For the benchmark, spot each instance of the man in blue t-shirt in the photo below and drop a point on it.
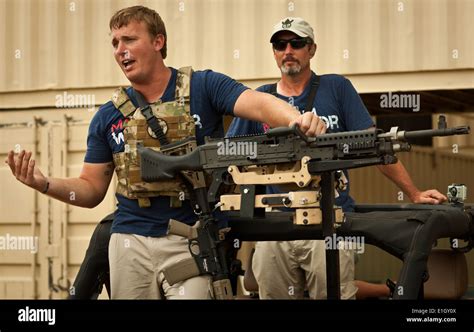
(139, 249)
(284, 269)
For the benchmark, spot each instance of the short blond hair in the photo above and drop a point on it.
(153, 21)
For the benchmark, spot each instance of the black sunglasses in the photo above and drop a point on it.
(296, 43)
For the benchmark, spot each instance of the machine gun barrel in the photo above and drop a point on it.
(460, 130)
(288, 144)
(394, 134)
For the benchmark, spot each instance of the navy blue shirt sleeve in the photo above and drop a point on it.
(98, 150)
(222, 91)
(356, 116)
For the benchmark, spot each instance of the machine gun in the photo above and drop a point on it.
(284, 146)
(280, 156)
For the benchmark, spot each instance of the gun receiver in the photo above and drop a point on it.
(328, 152)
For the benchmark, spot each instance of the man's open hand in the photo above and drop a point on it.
(25, 171)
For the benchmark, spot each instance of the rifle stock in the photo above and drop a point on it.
(157, 166)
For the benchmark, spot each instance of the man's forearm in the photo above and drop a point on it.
(399, 175)
(284, 114)
(74, 191)
(264, 108)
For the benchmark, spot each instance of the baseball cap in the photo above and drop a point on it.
(294, 24)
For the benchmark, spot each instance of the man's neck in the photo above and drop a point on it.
(294, 85)
(155, 87)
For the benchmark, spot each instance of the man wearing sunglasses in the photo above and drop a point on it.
(284, 269)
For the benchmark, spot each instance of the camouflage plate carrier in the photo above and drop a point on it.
(177, 123)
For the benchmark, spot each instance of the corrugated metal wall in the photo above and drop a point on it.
(63, 231)
(59, 44)
(19, 218)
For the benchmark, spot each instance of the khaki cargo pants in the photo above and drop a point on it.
(284, 269)
(136, 265)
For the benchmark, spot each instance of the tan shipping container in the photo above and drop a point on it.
(63, 231)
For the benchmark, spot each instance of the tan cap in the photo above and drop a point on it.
(294, 24)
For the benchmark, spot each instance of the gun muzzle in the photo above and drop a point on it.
(460, 130)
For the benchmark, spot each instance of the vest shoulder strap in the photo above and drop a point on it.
(183, 82)
(122, 102)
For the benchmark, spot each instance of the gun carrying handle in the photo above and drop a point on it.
(285, 131)
(281, 131)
